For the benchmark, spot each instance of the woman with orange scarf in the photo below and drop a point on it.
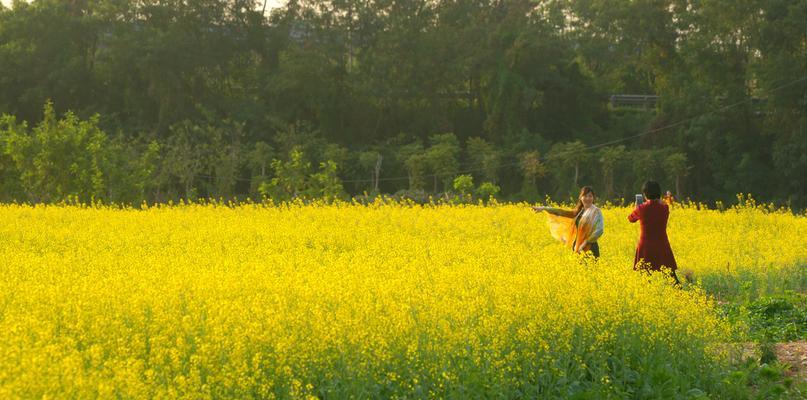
(580, 227)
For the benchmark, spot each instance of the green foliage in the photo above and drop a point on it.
(326, 184)
(416, 164)
(779, 318)
(484, 157)
(677, 166)
(442, 158)
(59, 159)
(487, 190)
(464, 185)
(611, 158)
(222, 89)
(259, 159)
(295, 179)
(371, 161)
(755, 379)
(291, 178)
(146, 168)
(568, 158)
(532, 168)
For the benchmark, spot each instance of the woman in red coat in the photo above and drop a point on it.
(654, 249)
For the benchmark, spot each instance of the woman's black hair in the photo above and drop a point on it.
(651, 190)
(583, 191)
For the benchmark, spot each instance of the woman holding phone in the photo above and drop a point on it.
(580, 227)
(653, 251)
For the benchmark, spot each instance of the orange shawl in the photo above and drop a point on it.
(564, 230)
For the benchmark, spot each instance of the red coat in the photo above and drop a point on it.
(654, 247)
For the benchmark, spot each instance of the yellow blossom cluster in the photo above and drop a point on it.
(358, 301)
(753, 245)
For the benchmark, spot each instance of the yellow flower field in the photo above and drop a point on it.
(380, 301)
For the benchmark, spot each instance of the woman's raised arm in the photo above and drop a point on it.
(556, 211)
(635, 215)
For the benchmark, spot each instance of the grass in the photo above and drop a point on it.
(763, 310)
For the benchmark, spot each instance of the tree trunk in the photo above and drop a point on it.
(609, 183)
(377, 173)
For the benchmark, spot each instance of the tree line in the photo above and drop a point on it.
(156, 100)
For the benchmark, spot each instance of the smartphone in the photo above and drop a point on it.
(639, 199)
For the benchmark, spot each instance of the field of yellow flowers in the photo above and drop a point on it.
(365, 301)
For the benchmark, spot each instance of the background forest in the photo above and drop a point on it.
(156, 100)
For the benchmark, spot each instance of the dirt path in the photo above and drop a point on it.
(795, 355)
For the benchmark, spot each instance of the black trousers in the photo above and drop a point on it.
(595, 249)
